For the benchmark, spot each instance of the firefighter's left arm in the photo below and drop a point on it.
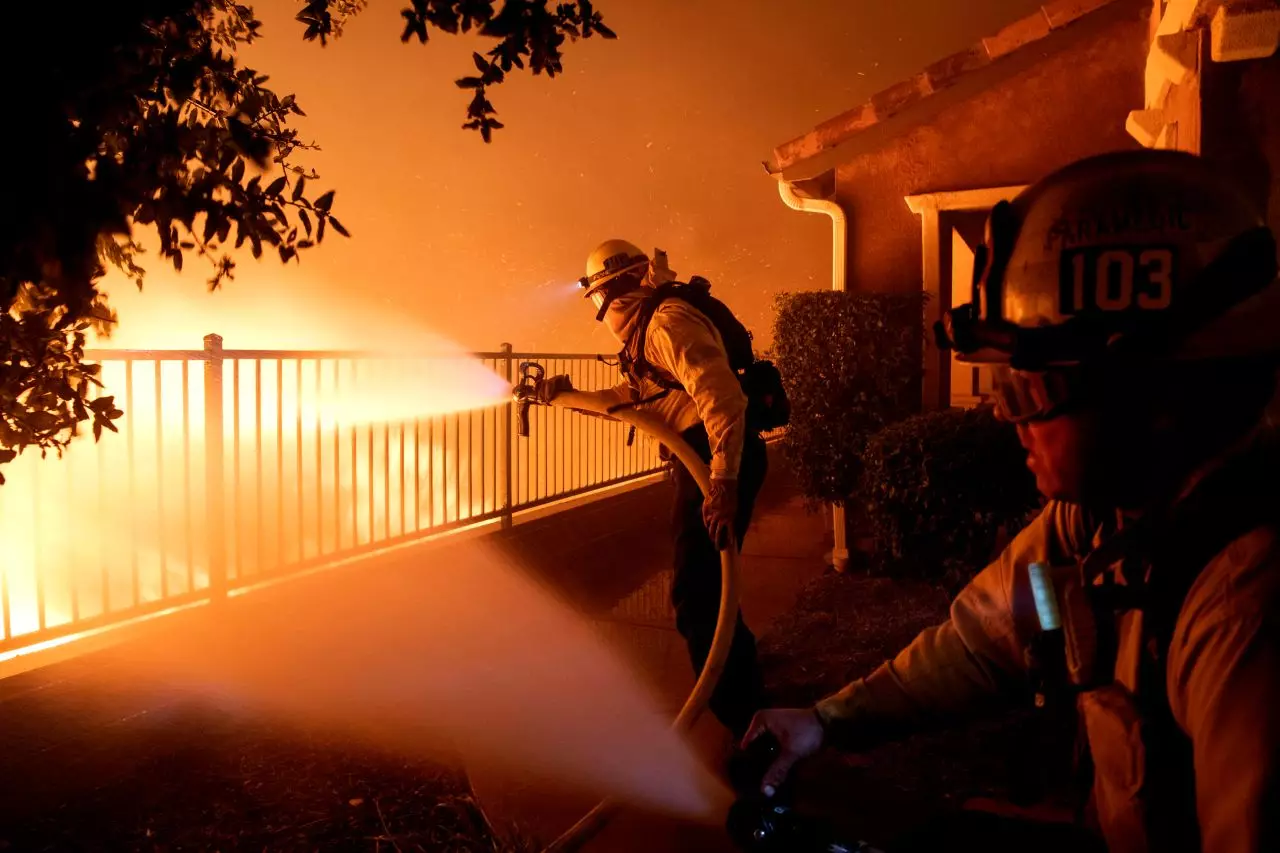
(617, 396)
(972, 663)
(1224, 690)
(687, 348)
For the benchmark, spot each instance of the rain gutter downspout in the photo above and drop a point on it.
(839, 263)
(839, 227)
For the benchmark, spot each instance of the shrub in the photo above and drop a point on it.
(851, 364)
(938, 488)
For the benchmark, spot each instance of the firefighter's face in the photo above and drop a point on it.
(1053, 449)
(613, 289)
(1085, 456)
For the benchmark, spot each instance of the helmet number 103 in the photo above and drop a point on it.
(1115, 278)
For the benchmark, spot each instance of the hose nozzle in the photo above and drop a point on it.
(760, 824)
(525, 394)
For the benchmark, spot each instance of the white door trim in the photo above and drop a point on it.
(962, 199)
(929, 206)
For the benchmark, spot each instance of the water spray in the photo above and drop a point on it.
(525, 394)
(757, 824)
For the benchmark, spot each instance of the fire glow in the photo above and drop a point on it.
(324, 457)
(319, 455)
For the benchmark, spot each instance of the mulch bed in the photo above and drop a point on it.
(206, 780)
(845, 625)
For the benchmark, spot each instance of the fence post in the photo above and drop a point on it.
(508, 442)
(215, 497)
(840, 550)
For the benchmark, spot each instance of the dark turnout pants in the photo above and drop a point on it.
(695, 591)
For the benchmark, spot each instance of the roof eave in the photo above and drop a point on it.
(952, 80)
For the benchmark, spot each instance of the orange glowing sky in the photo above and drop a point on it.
(657, 137)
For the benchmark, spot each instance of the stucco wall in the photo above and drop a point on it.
(1069, 106)
(1240, 115)
(1241, 126)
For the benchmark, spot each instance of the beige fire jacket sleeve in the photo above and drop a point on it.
(971, 662)
(685, 345)
(1224, 691)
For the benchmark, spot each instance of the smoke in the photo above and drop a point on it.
(464, 654)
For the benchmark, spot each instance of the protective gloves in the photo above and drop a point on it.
(551, 387)
(543, 390)
(719, 511)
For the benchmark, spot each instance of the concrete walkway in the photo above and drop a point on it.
(784, 550)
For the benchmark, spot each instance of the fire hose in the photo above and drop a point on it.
(595, 820)
(756, 824)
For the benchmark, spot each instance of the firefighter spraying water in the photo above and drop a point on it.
(691, 380)
(757, 824)
(531, 390)
(688, 362)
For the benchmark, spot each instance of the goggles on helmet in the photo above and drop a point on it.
(595, 294)
(1027, 395)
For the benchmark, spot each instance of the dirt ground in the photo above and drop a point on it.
(211, 780)
(215, 781)
(842, 627)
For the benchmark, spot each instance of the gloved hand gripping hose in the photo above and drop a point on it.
(586, 828)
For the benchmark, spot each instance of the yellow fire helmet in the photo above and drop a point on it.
(1134, 255)
(611, 259)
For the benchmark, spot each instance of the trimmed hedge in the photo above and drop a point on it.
(851, 364)
(938, 488)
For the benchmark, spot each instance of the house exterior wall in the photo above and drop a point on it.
(1239, 112)
(1229, 112)
(1071, 105)
(1240, 125)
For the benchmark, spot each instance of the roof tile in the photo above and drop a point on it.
(858, 118)
(825, 135)
(1031, 28)
(1062, 12)
(937, 77)
(891, 100)
(944, 72)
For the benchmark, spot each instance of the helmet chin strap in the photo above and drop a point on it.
(605, 301)
(612, 291)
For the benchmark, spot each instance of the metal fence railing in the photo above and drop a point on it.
(235, 466)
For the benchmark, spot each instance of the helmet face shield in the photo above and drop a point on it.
(596, 295)
(604, 292)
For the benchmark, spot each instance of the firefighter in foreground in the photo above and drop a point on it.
(1128, 308)
(688, 361)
